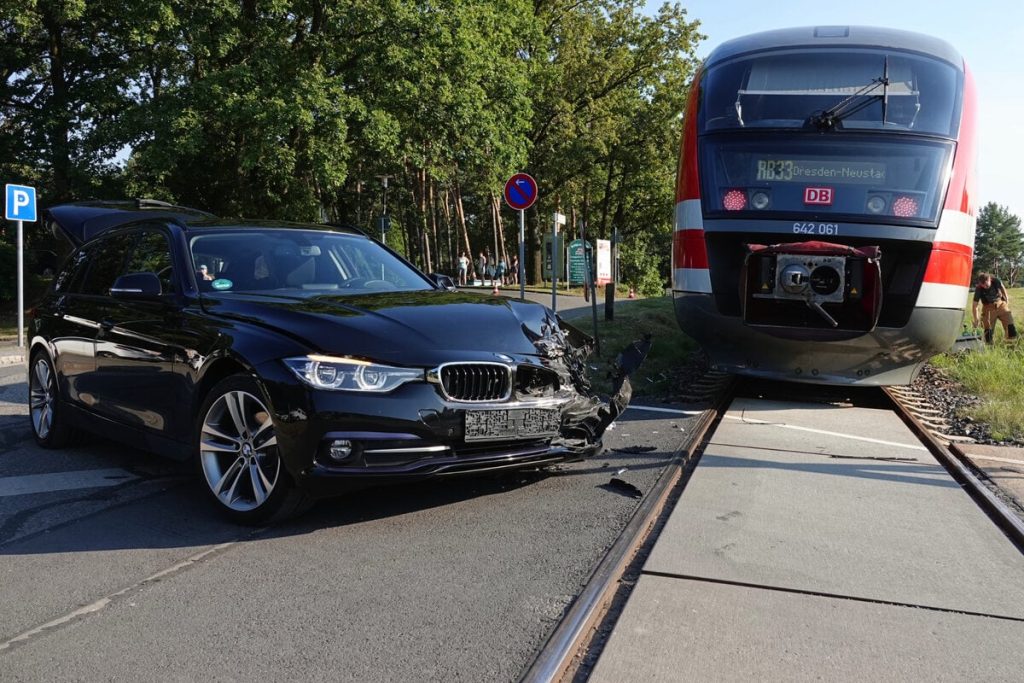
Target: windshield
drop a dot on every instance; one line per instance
(793, 89)
(782, 175)
(306, 262)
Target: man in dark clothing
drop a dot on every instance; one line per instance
(995, 305)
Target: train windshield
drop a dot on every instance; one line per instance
(855, 90)
(853, 177)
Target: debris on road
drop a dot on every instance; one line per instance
(623, 487)
(634, 450)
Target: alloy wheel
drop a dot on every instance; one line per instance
(238, 451)
(42, 393)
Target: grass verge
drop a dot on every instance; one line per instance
(670, 350)
(995, 375)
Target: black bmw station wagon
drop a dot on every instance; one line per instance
(294, 361)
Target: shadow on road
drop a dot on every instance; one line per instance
(173, 512)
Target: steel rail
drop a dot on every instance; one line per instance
(1004, 517)
(576, 626)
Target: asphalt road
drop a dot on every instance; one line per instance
(114, 566)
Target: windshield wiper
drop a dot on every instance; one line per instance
(827, 120)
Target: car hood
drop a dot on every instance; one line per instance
(408, 328)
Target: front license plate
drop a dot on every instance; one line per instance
(518, 423)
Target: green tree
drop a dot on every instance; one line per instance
(999, 243)
(611, 85)
(64, 80)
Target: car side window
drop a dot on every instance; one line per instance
(152, 254)
(69, 279)
(107, 258)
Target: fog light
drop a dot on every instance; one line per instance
(340, 449)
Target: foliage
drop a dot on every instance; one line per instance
(294, 109)
(643, 260)
(8, 267)
(654, 316)
(999, 244)
(996, 375)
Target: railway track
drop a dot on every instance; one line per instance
(574, 646)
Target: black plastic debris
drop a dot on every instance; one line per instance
(624, 488)
(634, 450)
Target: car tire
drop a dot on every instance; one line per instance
(235, 449)
(46, 411)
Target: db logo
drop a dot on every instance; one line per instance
(818, 195)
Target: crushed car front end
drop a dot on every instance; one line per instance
(478, 411)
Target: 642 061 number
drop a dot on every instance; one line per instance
(815, 228)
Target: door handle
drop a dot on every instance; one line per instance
(106, 325)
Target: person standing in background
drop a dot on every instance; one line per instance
(995, 305)
(481, 266)
(463, 269)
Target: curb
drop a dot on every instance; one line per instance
(12, 359)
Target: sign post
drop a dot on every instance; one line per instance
(21, 206)
(520, 194)
(556, 255)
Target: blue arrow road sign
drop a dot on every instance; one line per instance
(21, 203)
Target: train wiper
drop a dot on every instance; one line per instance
(827, 120)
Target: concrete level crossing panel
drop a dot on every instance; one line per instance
(790, 515)
(683, 630)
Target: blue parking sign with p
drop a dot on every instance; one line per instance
(21, 203)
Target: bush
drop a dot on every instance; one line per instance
(8, 273)
(643, 262)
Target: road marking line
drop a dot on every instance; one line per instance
(751, 420)
(106, 601)
(671, 411)
(854, 437)
(63, 481)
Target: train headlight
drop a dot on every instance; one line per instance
(760, 200)
(876, 204)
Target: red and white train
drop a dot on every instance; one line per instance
(825, 215)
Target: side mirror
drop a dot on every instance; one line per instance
(444, 282)
(136, 286)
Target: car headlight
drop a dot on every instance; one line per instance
(350, 374)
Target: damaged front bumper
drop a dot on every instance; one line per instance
(331, 441)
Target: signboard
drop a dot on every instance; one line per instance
(520, 191)
(558, 260)
(604, 262)
(577, 263)
(21, 203)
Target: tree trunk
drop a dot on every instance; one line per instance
(60, 126)
(446, 210)
(422, 219)
(461, 211)
(432, 203)
(606, 201)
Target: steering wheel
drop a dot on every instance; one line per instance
(367, 283)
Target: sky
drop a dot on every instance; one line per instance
(988, 33)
